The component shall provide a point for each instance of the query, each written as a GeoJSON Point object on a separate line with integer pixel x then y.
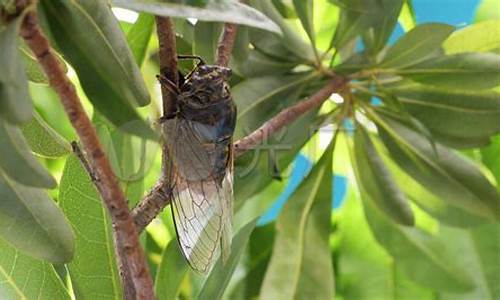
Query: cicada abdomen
{"type": "Point", "coordinates": [199, 137]}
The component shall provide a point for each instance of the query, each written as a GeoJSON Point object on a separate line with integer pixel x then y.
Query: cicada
{"type": "Point", "coordinates": [199, 138]}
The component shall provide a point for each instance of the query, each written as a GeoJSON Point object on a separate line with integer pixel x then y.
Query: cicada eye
{"type": "Point", "coordinates": [226, 72]}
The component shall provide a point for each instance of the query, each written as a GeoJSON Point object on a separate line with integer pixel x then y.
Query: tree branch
{"type": "Point", "coordinates": [159, 197]}
{"type": "Point", "coordinates": [226, 44]}
{"type": "Point", "coordinates": [288, 115]}
{"type": "Point", "coordinates": [126, 238]}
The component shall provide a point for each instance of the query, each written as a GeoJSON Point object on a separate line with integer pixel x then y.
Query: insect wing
{"type": "Point", "coordinates": [202, 204]}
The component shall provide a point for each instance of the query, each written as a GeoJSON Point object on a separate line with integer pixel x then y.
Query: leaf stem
{"type": "Point", "coordinates": [129, 251]}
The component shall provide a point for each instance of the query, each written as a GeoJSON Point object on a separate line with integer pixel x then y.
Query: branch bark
{"type": "Point", "coordinates": [288, 115]}
{"type": "Point", "coordinates": [129, 251]}
{"type": "Point", "coordinates": [159, 197]}
{"type": "Point", "coordinates": [226, 44]}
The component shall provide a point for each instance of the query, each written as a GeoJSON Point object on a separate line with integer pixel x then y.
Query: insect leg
{"type": "Point", "coordinates": [168, 84]}
{"type": "Point", "coordinates": [200, 60]}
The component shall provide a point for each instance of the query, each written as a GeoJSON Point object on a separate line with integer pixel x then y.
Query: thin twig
{"type": "Point", "coordinates": [129, 251]}
{"type": "Point", "coordinates": [226, 44]}
{"type": "Point", "coordinates": [152, 204]}
{"type": "Point", "coordinates": [288, 115]}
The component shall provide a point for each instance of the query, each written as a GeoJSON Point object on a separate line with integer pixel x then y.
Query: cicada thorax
{"type": "Point", "coordinates": [205, 102]}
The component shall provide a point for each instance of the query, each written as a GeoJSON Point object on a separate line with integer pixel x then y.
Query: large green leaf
{"type": "Point", "coordinates": [462, 71]}
{"type": "Point", "coordinates": [364, 270]}
{"type": "Point", "coordinates": [17, 161]}
{"type": "Point", "coordinates": [206, 37]}
{"type": "Point", "coordinates": [416, 45]}
{"type": "Point", "coordinates": [101, 57]}
{"type": "Point", "coordinates": [300, 265]}
{"type": "Point", "coordinates": [487, 10]}
{"type": "Point", "coordinates": [31, 221]}
{"type": "Point", "coordinates": [481, 246]}
{"type": "Point", "coordinates": [214, 11]}
{"type": "Point", "coordinates": [430, 203]}
{"type": "Point", "coordinates": [377, 181]}
{"type": "Point", "coordinates": [291, 40]}
{"type": "Point", "coordinates": [139, 35]}
{"type": "Point", "coordinates": [23, 277]}
{"type": "Point", "coordinates": [422, 257]}
{"type": "Point", "coordinates": [93, 270]}
{"type": "Point", "coordinates": [15, 101]}
{"type": "Point", "coordinates": [171, 272]}
{"type": "Point", "coordinates": [220, 275]}
{"type": "Point", "coordinates": [44, 140]}
{"type": "Point", "coordinates": [453, 178]}
{"type": "Point", "coordinates": [480, 37]}
{"type": "Point", "coordinates": [305, 10]}
{"type": "Point", "coordinates": [462, 114]}
{"type": "Point", "coordinates": [373, 19]}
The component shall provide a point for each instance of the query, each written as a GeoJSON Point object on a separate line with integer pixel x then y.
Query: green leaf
{"type": "Point", "coordinates": [171, 272]}
{"type": "Point", "coordinates": [378, 183]}
{"type": "Point", "coordinates": [32, 222]}
{"type": "Point", "coordinates": [33, 69]}
{"type": "Point", "coordinates": [453, 113]}
{"type": "Point", "coordinates": [23, 277]}
{"type": "Point", "coordinates": [206, 37]}
{"type": "Point", "coordinates": [487, 10]}
{"type": "Point", "coordinates": [139, 35]}
{"type": "Point", "coordinates": [364, 270]}
{"type": "Point", "coordinates": [421, 257]}
{"type": "Point", "coordinates": [17, 161]}
{"type": "Point", "coordinates": [15, 101]}
{"type": "Point", "coordinates": [481, 245]}
{"type": "Point", "coordinates": [259, 64]}
{"type": "Point", "coordinates": [241, 49]}
{"type": "Point", "coordinates": [480, 37]}
{"type": "Point", "coordinates": [305, 11]}
{"type": "Point", "coordinates": [374, 19]}
{"type": "Point", "coordinates": [213, 11]}
{"type": "Point", "coordinates": [462, 71]}
{"type": "Point", "coordinates": [220, 275]}
{"type": "Point", "coordinates": [291, 40]}
{"type": "Point", "coordinates": [301, 265]}
{"type": "Point", "coordinates": [93, 270]}
{"type": "Point", "coordinates": [44, 140]}
{"type": "Point", "coordinates": [454, 179]}
{"type": "Point", "coordinates": [417, 45]}
{"type": "Point", "coordinates": [430, 203]}
{"type": "Point", "coordinates": [491, 157]}
{"type": "Point", "coordinates": [101, 57]}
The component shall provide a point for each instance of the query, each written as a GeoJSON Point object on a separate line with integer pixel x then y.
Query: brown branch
{"type": "Point", "coordinates": [129, 251]}
{"type": "Point", "coordinates": [288, 115]}
{"type": "Point", "coordinates": [159, 197]}
{"type": "Point", "coordinates": [226, 44]}
{"type": "Point", "coordinates": [152, 204]}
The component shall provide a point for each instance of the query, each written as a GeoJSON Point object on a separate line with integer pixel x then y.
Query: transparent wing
{"type": "Point", "coordinates": [202, 204]}
{"type": "Point", "coordinates": [202, 219]}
